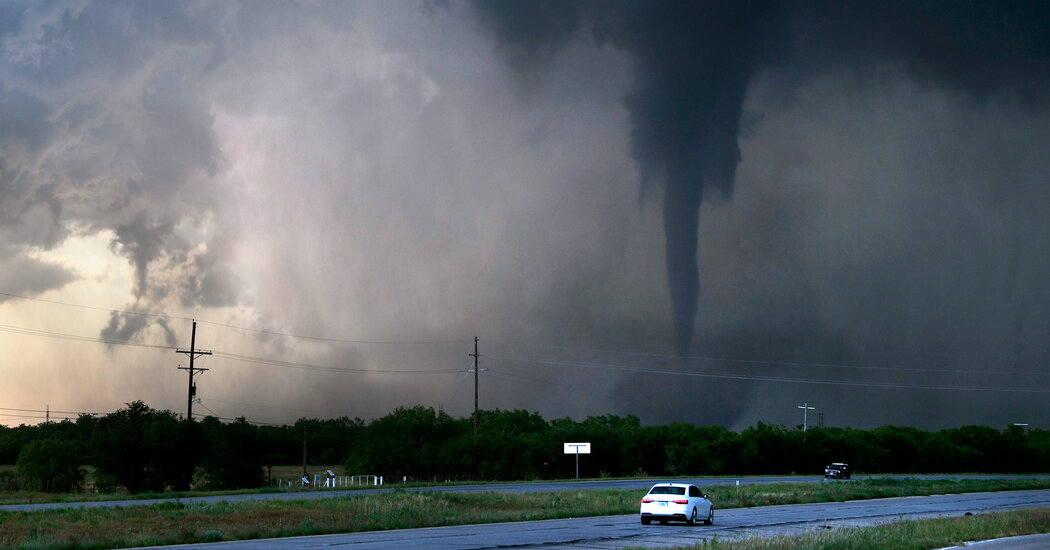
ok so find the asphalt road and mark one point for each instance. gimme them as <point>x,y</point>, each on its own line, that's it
<point>1029,542</point>
<point>609,532</point>
<point>639,484</point>
<point>617,531</point>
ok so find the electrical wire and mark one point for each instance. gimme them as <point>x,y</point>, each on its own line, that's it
<point>77,338</point>
<point>243,329</point>
<point>226,355</point>
<point>775,363</point>
<point>323,368</point>
<point>761,378</point>
<point>271,407</point>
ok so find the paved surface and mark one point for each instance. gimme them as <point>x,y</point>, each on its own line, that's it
<point>610,532</point>
<point>640,484</point>
<point>1030,542</point>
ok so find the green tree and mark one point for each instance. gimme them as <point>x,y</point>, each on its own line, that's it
<point>406,442</point>
<point>142,449</point>
<point>13,439</point>
<point>900,446</point>
<point>233,456</point>
<point>509,446</point>
<point>51,465</point>
<point>763,449</point>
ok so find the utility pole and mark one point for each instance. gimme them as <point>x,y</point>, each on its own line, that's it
<point>192,352</point>
<point>475,356</point>
<point>805,411</point>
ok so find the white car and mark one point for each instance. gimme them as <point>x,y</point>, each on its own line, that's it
<point>678,502</point>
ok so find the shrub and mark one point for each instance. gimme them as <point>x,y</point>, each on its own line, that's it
<point>51,465</point>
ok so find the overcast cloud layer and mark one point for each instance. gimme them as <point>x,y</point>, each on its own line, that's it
<point>393,178</point>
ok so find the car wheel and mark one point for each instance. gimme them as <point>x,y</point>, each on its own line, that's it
<point>711,516</point>
<point>645,521</point>
<point>692,518</point>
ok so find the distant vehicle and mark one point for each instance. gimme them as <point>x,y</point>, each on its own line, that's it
<point>678,502</point>
<point>837,470</point>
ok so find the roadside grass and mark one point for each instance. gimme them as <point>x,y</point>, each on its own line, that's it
<point>746,496</point>
<point>284,472</point>
<point>921,534</point>
<point>176,522</point>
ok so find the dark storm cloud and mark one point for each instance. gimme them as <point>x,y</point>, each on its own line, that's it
<point>23,122</point>
<point>386,171</point>
<point>984,48</point>
<point>22,275</point>
<point>694,62</point>
<point>103,126</point>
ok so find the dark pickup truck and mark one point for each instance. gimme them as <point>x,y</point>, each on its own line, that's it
<point>837,470</point>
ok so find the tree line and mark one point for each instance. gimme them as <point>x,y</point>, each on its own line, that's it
<point>139,449</point>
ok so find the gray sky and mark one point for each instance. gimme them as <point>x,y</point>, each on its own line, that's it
<point>344,194</point>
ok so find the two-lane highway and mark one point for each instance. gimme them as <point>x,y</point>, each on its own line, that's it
<point>609,532</point>
<point>641,485</point>
<point>617,531</point>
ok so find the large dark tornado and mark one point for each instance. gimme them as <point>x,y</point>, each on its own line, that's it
<point>692,64</point>
<point>681,221</point>
<point>694,60</point>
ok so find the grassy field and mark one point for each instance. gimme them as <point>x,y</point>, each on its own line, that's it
<point>179,522</point>
<point>904,535</point>
<point>284,473</point>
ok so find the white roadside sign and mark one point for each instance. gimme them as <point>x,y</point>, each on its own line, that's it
<point>578,448</point>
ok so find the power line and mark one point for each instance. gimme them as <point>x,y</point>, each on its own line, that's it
<point>254,422</point>
<point>574,389</point>
<point>43,414</point>
<point>76,338</point>
<point>758,378</point>
<point>95,308</point>
<point>45,410</point>
<point>776,363</point>
<point>240,328</point>
<point>337,340</point>
<point>323,368</point>
<point>226,355</point>
<point>271,407</point>
<point>709,359</point>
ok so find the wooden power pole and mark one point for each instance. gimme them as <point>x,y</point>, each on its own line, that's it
<point>475,356</point>
<point>191,391</point>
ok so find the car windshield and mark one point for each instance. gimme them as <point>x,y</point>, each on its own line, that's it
<point>667,491</point>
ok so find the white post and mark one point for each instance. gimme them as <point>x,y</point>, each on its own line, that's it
<point>805,410</point>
